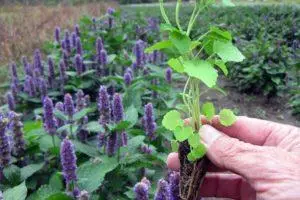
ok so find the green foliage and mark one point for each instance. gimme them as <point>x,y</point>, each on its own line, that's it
<point>227,117</point>
<point>16,193</point>
<point>208,110</point>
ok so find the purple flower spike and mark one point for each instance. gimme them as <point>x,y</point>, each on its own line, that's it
<point>168,75</point>
<point>14,73</point>
<point>149,121</point>
<point>49,119</point>
<point>78,46</point>
<point>104,106</point>
<point>26,66</point>
<point>99,46</point>
<point>111,11</point>
<point>155,57</point>
<point>69,105</point>
<point>146,181</point>
<point>43,88</point>
<point>38,61</point>
<point>68,161</point>
<point>77,30</point>
<point>80,100</point>
<point>123,139</point>
<point>141,191</point>
<point>174,178</point>
<point>129,70</point>
<point>139,53</point>
<point>118,111</point>
<point>14,90</point>
<point>62,72</point>
<point>163,190</point>
<point>101,140</point>
<point>5,148</point>
<point>73,36</point>
<point>16,128</point>
<point>30,86</point>
<point>111,144</point>
<point>78,64</point>
<point>67,42</point>
<point>51,72</point>
<point>57,34</point>
<point>127,79</point>
<point>59,106</point>
<point>145,149</point>
<point>66,59</point>
<point>11,101</point>
<point>63,44</point>
<point>103,57</point>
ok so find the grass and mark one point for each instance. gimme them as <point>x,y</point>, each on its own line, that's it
<point>24,28</point>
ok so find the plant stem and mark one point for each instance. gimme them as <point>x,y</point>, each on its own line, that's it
<point>163,12</point>
<point>53,141</point>
<point>177,14</point>
<point>191,19</point>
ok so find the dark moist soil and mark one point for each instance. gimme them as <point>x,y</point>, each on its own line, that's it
<point>251,105</point>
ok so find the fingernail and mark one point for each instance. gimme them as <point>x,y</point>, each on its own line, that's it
<point>209,134</point>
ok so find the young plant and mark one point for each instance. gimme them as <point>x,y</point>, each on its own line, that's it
<point>199,59</point>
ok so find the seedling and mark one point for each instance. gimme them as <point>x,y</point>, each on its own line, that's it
<point>199,59</point>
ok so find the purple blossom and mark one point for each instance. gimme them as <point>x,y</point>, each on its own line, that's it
<point>43,88</point>
<point>153,24</point>
<point>26,66</point>
<point>146,181</point>
<point>51,72</point>
<point>99,46</point>
<point>111,144</point>
<point>139,53</point>
<point>77,30</point>
<point>69,105</point>
<point>68,161</point>
<point>163,190</point>
<point>73,36</point>
<point>149,121</point>
<point>67,42</point>
<point>127,79</point>
<point>38,62</point>
<point>87,100</point>
<point>80,100</point>
<point>155,57</point>
<point>145,149</point>
<point>168,75</point>
<point>129,70</point>
<point>57,34</point>
<point>16,127</point>
<point>111,11</point>
<point>63,44</point>
<point>174,178</point>
<point>60,107</point>
<point>141,191</point>
<point>83,134</point>
<point>154,93</point>
<point>49,119</point>
<point>78,46</point>
<point>103,57</point>
<point>5,148</point>
<point>11,101</point>
<point>101,140</point>
<point>66,59</point>
<point>14,90</point>
<point>30,86</point>
<point>104,106</point>
<point>118,111</point>
<point>110,22</point>
<point>14,73</point>
<point>123,139</point>
<point>62,72</point>
<point>78,64</point>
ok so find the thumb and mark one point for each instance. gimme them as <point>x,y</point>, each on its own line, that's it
<point>230,153</point>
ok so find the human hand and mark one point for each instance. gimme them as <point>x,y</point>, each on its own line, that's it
<point>263,159</point>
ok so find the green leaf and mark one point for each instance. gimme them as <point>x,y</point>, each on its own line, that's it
<point>181,41</point>
<point>183,133</point>
<point>45,142</point>
<point>227,117</point>
<point>32,125</point>
<point>29,170</point>
<point>85,148</point>
<point>167,27</point>
<point>13,174</point>
<point>80,114</point>
<point>158,46</point>
<point>222,66</point>
<point>194,140</point>
<point>71,73</point>
<point>202,70</point>
<point>94,126</point>
<point>208,110</point>
<point>191,157</point>
<point>131,115</point>
<point>16,193</point>
<point>59,196</point>
<point>199,151</point>
<point>174,145</point>
<point>171,120</point>
<point>228,52</point>
<point>43,193</point>
<point>228,3</point>
<point>176,64</point>
<point>91,174</point>
<point>219,34</point>
<point>60,115</point>
<point>56,181</point>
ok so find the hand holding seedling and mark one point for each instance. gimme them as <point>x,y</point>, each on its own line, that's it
<point>263,156</point>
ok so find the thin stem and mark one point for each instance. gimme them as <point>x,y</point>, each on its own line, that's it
<point>163,12</point>
<point>53,141</point>
<point>177,14</point>
<point>191,19</point>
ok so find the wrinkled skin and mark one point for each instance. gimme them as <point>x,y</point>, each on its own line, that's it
<point>253,159</point>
